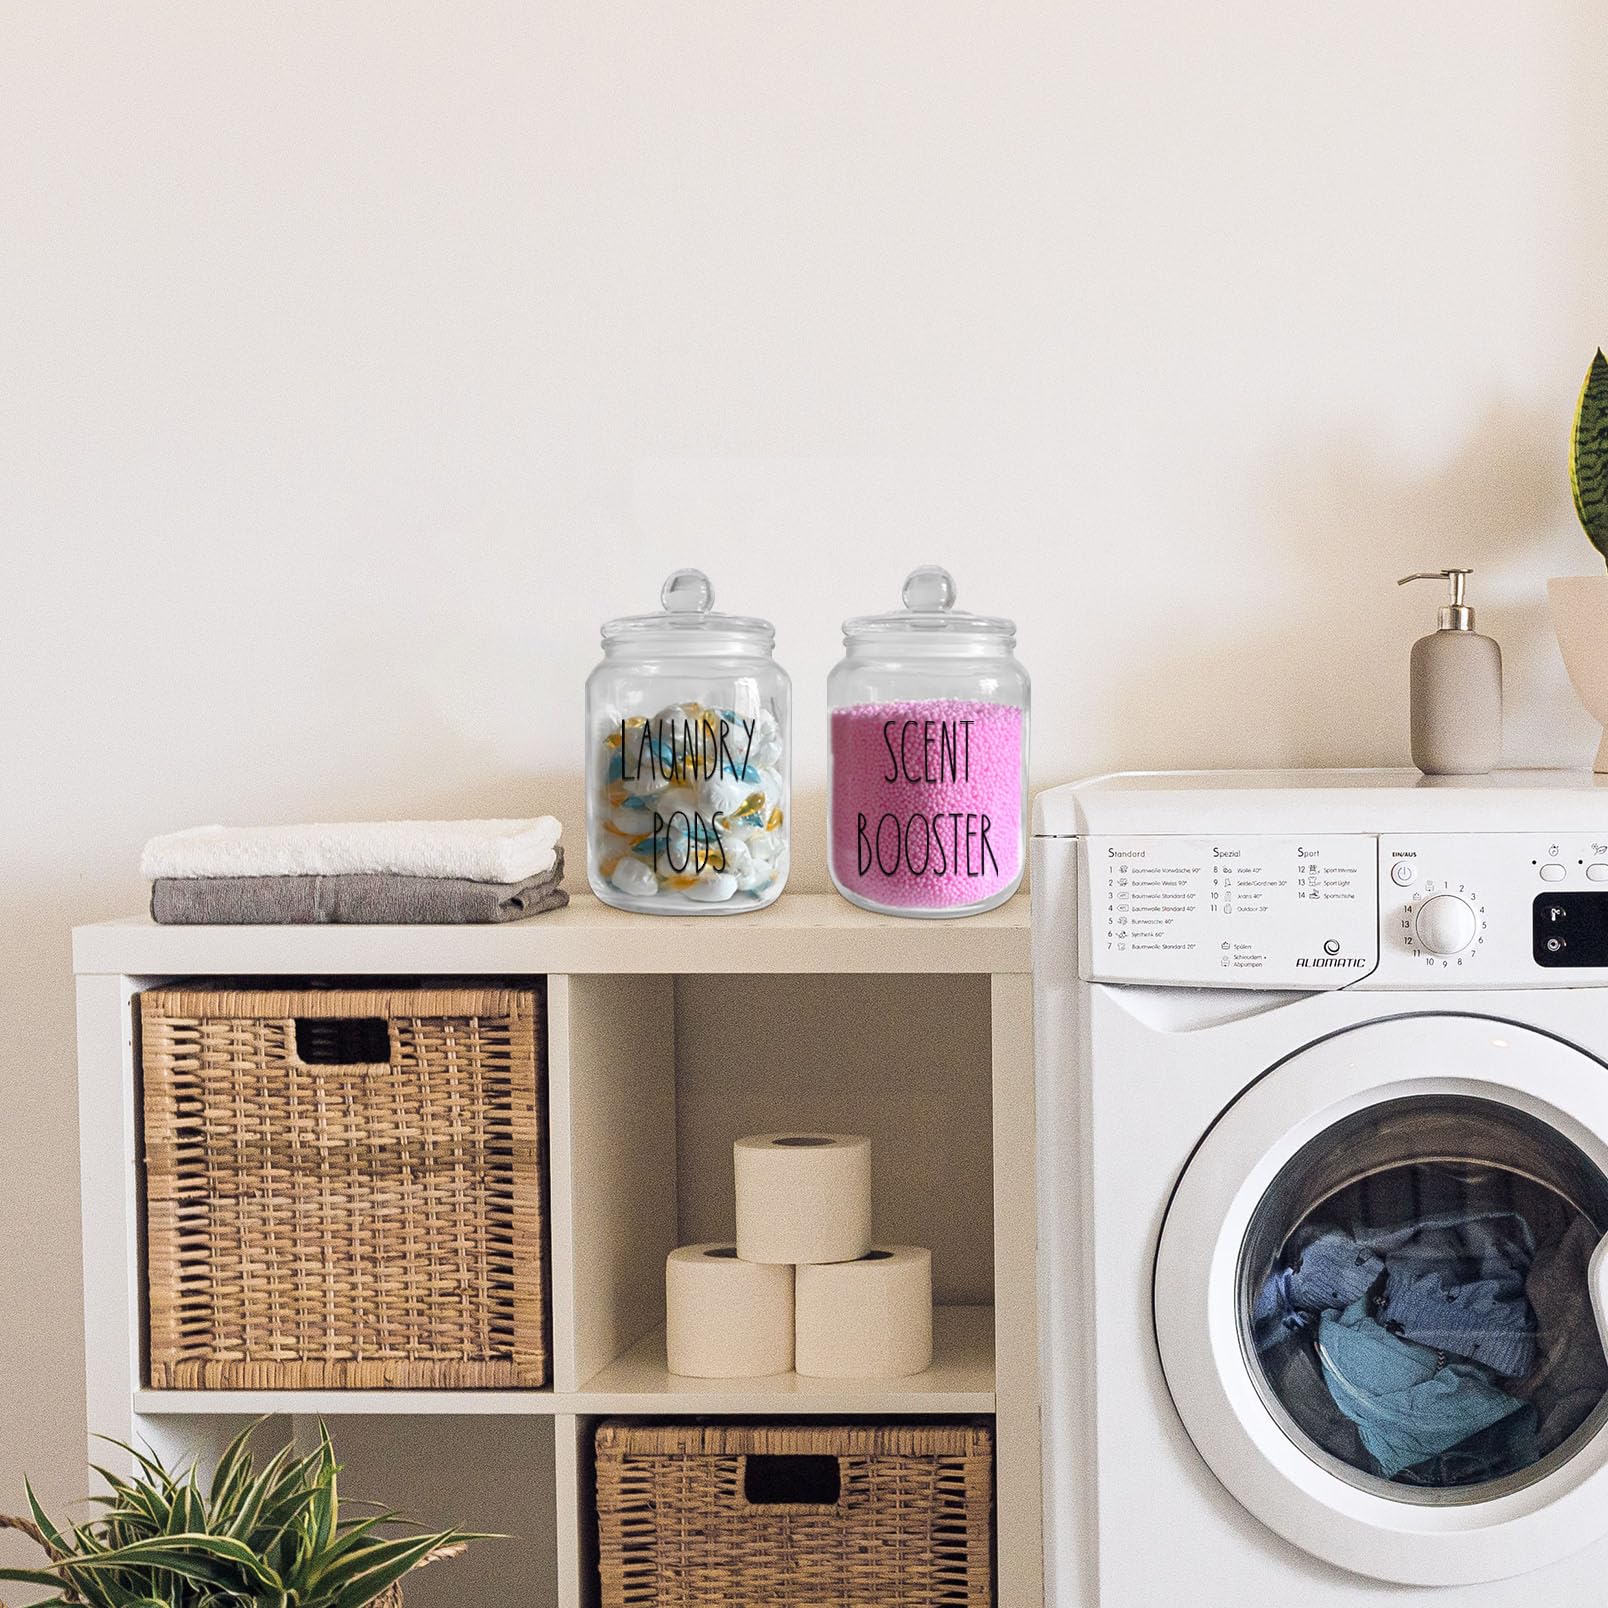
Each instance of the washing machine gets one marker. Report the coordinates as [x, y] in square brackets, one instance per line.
[1323, 1083]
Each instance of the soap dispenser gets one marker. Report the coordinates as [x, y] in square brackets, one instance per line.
[1456, 689]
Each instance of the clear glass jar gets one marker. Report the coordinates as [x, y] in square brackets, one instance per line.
[928, 785]
[688, 743]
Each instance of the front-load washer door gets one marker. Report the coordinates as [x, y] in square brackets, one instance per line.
[1380, 1303]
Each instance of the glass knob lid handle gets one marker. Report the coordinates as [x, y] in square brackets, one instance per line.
[929, 589]
[687, 591]
[1445, 925]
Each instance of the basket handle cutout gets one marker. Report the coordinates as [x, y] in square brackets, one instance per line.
[343, 1040]
[798, 1480]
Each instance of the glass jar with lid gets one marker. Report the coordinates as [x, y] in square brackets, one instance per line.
[929, 712]
[688, 743]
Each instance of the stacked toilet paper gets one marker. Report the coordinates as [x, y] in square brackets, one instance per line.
[804, 1287]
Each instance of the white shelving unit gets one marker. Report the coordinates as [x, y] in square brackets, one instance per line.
[666, 1038]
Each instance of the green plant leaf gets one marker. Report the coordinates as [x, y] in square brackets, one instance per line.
[1588, 455]
[48, 1530]
[361, 1577]
[31, 1577]
[148, 1466]
[352, 1534]
[268, 1538]
[247, 1516]
[233, 1472]
[188, 1553]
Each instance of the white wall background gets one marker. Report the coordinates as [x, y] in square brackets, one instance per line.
[357, 359]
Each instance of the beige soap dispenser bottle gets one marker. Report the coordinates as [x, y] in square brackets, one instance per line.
[1456, 689]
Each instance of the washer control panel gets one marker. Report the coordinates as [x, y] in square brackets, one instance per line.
[1231, 912]
[1492, 910]
[1446, 910]
[1571, 928]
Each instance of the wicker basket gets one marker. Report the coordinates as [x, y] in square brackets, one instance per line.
[344, 1188]
[709, 1515]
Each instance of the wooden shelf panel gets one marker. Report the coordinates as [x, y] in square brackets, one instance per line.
[961, 1380]
[344, 1403]
[801, 932]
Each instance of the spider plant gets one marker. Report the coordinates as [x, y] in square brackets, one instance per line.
[268, 1538]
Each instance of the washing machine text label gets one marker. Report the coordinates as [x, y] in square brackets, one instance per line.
[1250, 912]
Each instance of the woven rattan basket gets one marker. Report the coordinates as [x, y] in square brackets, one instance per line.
[344, 1188]
[857, 1515]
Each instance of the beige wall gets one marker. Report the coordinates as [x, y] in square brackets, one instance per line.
[356, 360]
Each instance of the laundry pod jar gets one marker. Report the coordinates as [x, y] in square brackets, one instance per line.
[688, 742]
[929, 712]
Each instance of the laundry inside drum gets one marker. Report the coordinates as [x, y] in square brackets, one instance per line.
[1414, 1302]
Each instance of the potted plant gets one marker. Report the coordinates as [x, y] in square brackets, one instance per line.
[268, 1538]
[1580, 602]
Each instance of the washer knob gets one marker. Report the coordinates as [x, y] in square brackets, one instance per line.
[1445, 925]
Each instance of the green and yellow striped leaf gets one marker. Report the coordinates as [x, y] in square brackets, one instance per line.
[1588, 455]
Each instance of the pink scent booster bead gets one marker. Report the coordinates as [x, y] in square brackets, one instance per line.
[926, 801]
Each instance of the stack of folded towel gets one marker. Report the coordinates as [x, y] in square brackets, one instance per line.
[402, 872]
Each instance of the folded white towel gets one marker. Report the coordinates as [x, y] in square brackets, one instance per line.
[478, 851]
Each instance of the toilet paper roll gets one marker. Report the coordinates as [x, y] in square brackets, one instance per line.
[867, 1319]
[725, 1318]
[803, 1197]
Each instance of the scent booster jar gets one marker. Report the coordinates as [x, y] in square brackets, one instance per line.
[929, 757]
[688, 741]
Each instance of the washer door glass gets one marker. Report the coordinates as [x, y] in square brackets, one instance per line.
[1414, 1304]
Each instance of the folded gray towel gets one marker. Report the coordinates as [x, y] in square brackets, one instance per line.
[361, 899]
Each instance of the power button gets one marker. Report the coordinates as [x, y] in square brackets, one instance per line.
[1403, 872]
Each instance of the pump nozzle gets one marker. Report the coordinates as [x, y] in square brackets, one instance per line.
[1456, 615]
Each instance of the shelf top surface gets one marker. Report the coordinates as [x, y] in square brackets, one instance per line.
[801, 932]
[961, 1379]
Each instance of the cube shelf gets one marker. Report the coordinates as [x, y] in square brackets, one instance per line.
[667, 1037]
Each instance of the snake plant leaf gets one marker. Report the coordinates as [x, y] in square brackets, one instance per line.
[1588, 455]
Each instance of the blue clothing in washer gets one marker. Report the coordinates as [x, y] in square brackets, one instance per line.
[1459, 1287]
[1407, 1404]
[1454, 1282]
[1336, 1269]
[1506, 1447]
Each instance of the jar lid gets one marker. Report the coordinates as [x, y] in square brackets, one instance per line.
[929, 610]
[688, 602]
